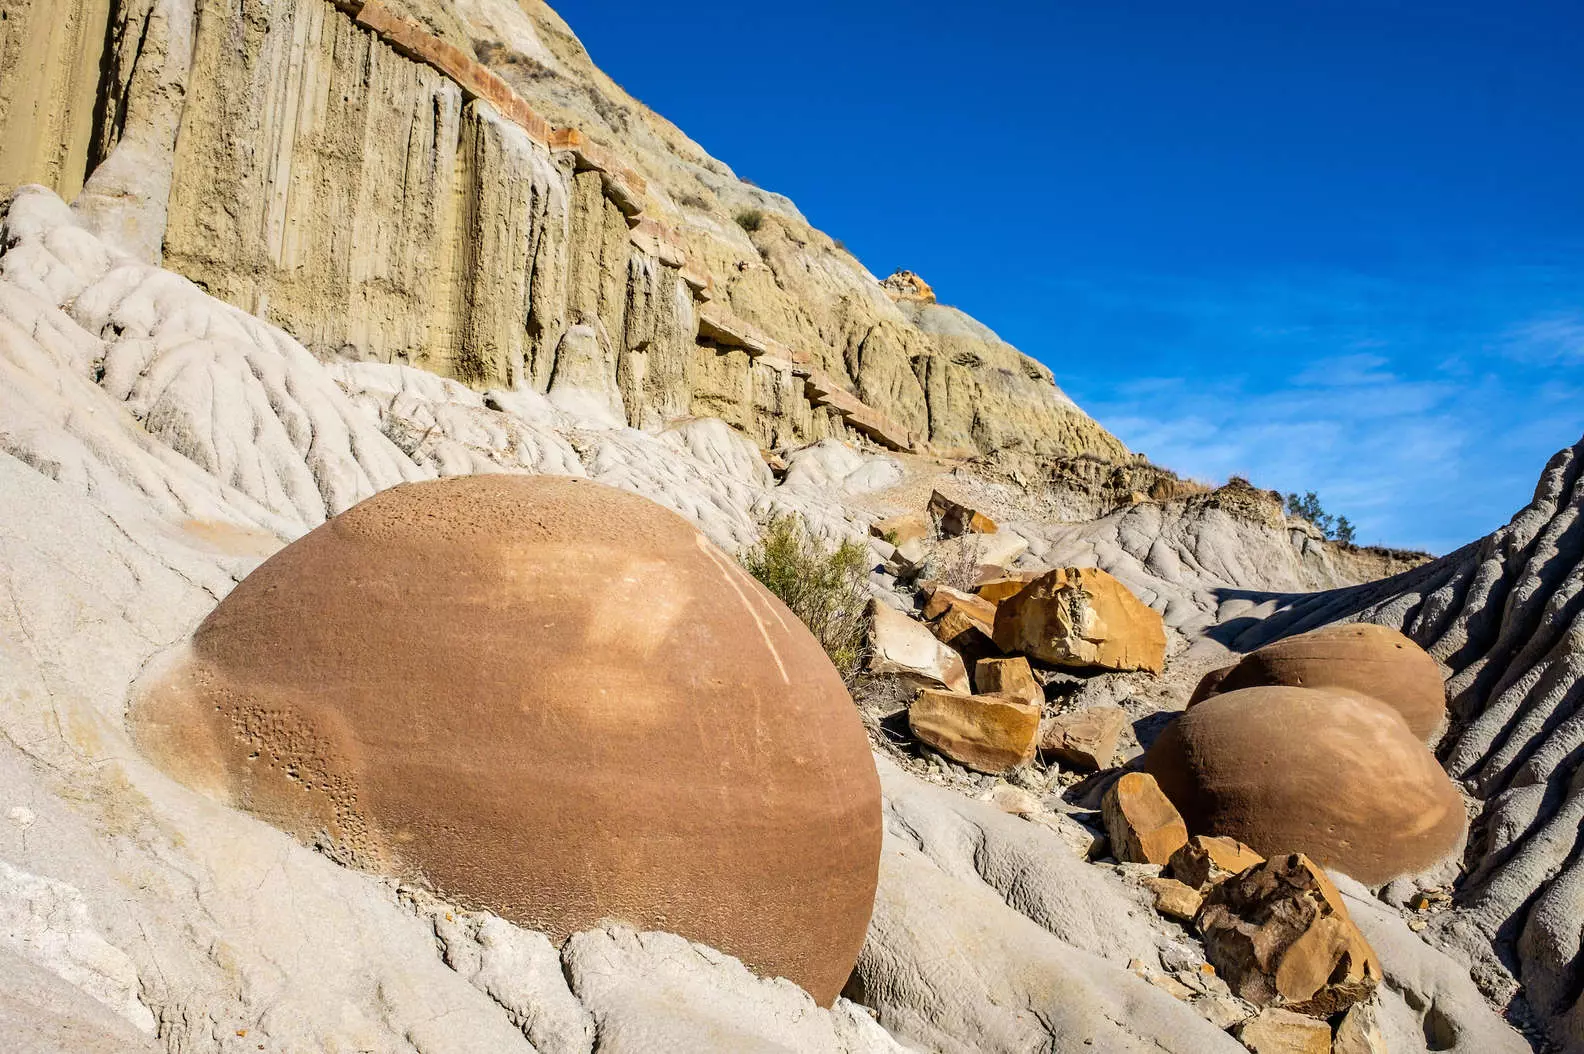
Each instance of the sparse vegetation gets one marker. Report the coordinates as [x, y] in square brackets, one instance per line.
[825, 586]
[1308, 507]
[692, 200]
[750, 220]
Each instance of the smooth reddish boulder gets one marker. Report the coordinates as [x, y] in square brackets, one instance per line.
[1358, 658]
[545, 698]
[1338, 777]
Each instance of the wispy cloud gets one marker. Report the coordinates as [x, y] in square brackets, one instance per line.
[1422, 414]
[1557, 338]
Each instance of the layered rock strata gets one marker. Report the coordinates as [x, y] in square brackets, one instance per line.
[381, 180]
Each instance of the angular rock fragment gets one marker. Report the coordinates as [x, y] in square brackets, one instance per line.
[1280, 935]
[1277, 1031]
[1208, 859]
[955, 518]
[985, 733]
[907, 649]
[966, 635]
[1082, 617]
[996, 590]
[1010, 677]
[943, 598]
[1174, 899]
[1084, 739]
[1360, 1032]
[1144, 826]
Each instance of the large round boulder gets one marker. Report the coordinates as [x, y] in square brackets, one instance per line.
[1296, 770]
[1356, 658]
[548, 699]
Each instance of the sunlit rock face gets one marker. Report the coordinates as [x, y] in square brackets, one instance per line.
[546, 698]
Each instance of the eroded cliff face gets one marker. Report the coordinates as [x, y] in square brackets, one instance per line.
[455, 186]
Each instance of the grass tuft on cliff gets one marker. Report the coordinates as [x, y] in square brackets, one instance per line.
[825, 586]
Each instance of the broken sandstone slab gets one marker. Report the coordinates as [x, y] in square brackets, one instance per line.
[942, 598]
[1210, 859]
[986, 733]
[1084, 739]
[908, 650]
[955, 518]
[1280, 934]
[1012, 677]
[966, 635]
[1082, 617]
[1143, 825]
[1278, 1031]
[1174, 899]
[998, 589]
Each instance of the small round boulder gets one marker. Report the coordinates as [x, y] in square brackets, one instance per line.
[548, 699]
[1296, 770]
[1356, 658]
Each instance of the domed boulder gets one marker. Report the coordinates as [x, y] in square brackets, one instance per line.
[1359, 658]
[548, 699]
[1337, 777]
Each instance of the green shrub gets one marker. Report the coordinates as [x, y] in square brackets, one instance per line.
[825, 587]
[750, 220]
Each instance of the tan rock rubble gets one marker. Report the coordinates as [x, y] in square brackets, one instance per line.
[1084, 739]
[1141, 821]
[987, 733]
[908, 649]
[955, 518]
[1280, 934]
[1209, 859]
[1011, 677]
[1278, 1031]
[1082, 617]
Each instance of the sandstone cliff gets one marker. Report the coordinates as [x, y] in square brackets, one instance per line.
[457, 187]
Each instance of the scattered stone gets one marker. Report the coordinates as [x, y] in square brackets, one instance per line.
[1085, 739]
[956, 519]
[1165, 982]
[1144, 826]
[1338, 777]
[1175, 900]
[911, 556]
[997, 553]
[1012, 677]
[1085, 618]
[985, 733]
[908, 527]
[999, 589]
[1280, 934]
[1360, 1031]
[1359, 658]
[1277, 1031]
[965, 635]
[1223, 1011]
[943, 598]
[908, 649]
[905, 285]
[1209, 859]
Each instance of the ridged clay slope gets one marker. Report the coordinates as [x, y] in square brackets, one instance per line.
[1505, 616]
[356, 174]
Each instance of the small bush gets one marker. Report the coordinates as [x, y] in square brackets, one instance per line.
[826, 587]
[750, 220]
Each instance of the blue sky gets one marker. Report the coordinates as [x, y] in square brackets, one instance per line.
[1328, 244]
